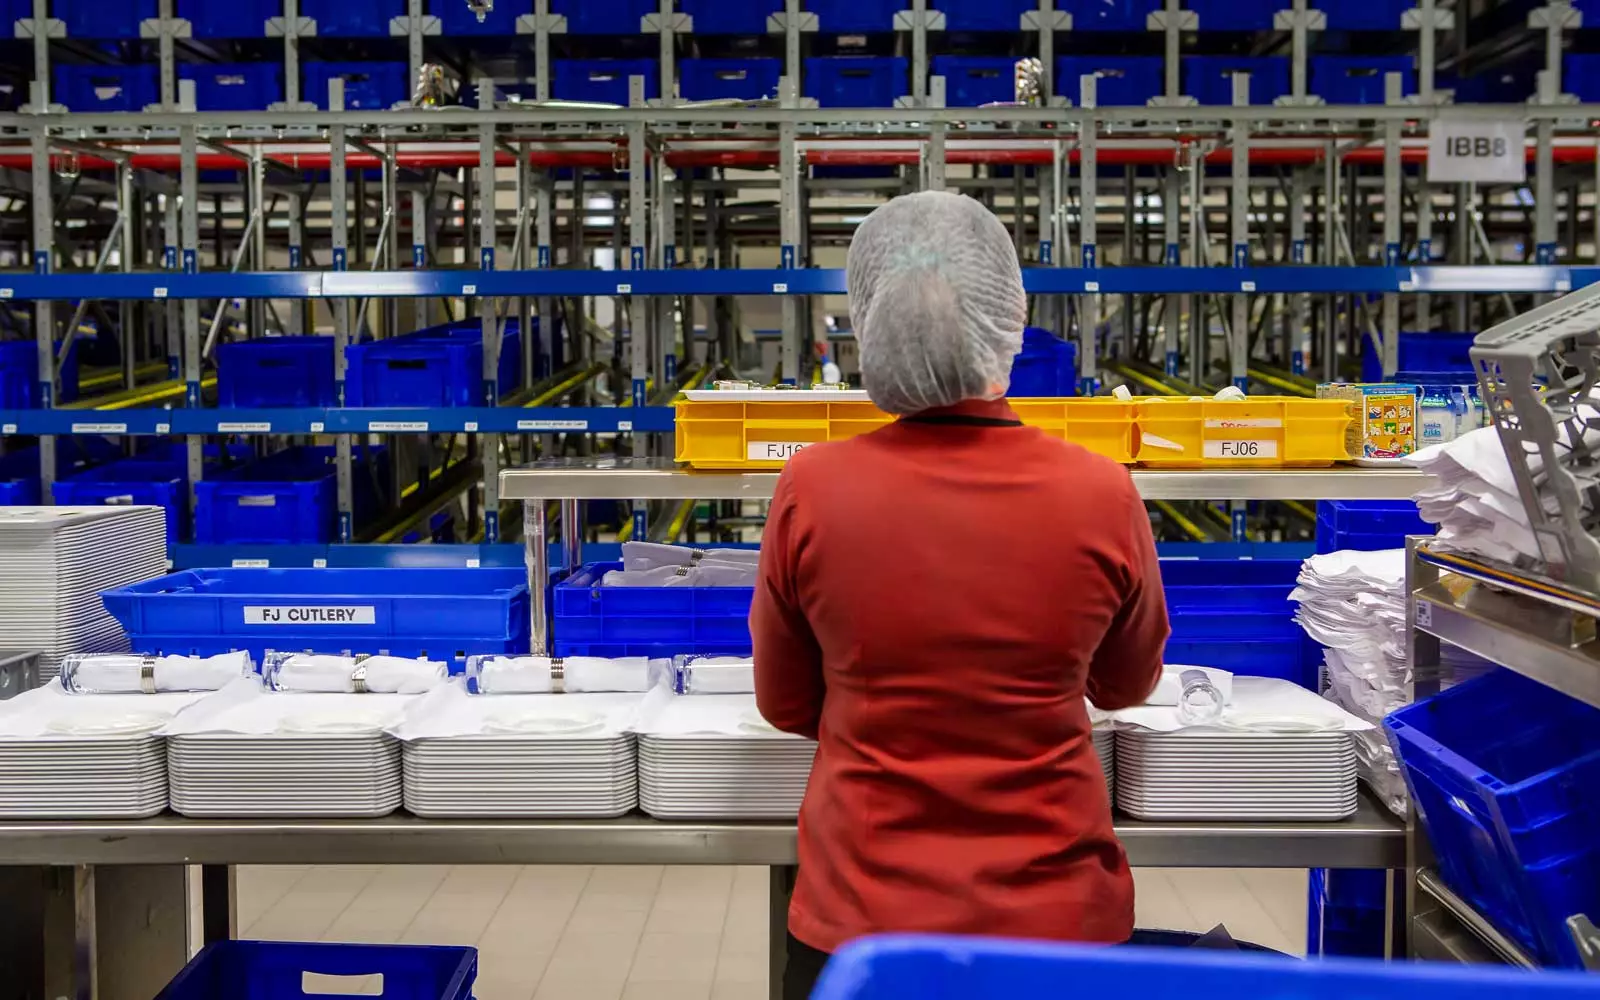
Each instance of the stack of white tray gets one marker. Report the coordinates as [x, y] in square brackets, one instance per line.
[287, 754]
[65, 756]
[713, 757]
[1105, 747]
[57, 560]
[539, 756]
[1221, 775]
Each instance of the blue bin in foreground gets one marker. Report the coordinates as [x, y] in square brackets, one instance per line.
[946, 968]
[276, 970]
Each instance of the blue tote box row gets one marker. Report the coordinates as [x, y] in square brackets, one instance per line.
[19, 375]
[369, 86]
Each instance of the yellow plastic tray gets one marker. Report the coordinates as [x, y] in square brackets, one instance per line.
[764, 435]
[1262, 432]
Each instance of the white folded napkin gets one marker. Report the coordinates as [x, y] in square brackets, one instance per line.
[717, 675]
[580, 674]
[320, 673]
[123, 673]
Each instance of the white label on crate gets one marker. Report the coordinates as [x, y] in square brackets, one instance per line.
[259, 500]
[469, 289]
[252, 564]
[9, 429]
[244, 428]
[158, 292]
[120, 500]
[316, 427]
[1091, 286]
[312, 614]
[398, 426]
[471, 426]
[624, 289]
[775, 451]
[319, 564]
[624, 425]
[780, 288]
[1462, 151]
[1241, 449]
[1246, 422]
[552, 425]
[99, 428]
[163, 428]
[1247, 286]
[1424, 614]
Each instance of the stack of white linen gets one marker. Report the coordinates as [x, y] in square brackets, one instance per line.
[649, 564]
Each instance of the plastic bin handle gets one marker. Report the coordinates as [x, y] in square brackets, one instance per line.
[398, 364]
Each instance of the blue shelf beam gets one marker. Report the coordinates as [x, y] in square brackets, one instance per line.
[440, 420]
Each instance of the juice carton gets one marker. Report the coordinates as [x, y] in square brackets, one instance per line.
[1386, 417]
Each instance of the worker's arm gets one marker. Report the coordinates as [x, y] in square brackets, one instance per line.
[1127, 665]
[788, 660]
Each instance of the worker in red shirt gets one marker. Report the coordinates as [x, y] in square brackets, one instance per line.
[936, 600]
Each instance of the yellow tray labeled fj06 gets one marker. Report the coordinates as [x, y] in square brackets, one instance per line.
[1261, 432]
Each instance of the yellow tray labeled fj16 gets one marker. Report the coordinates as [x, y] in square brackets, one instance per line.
[764, 434]
[1261, 431]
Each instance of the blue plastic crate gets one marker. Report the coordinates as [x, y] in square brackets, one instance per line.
[1369, 15]
[658, 650]
[584, 611]
[1203, 625]
[19, 375]
[1236, 15]
[12, 11]
[1047, 366]
[719, 17]
[156, 481]
[950, 968]
[276, 970]
[456, 19]
[1359, 79]
[836, 17]
[276, 371]
[439, 366]
[1283, 658]
[970, 81]
[717, 79]
[1215, 584]
[985, 15]
[1345, 912]
[353, 18]
[606, 17]
[234, 86]
[1209, 79]
[1580, 75]
[603, 80]
[106, 88]
[1123, 80]
[232, 19]
[407, 612]
[1425, 352]
[95, 19]
[368, 86]
[290, 499]
[1110, 15]
[857, 81]
[1502, 771]
[1366, 525]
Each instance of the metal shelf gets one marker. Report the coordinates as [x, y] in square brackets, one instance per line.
[1460, 933]
[661, 479]
[1372, 839]
[463, 419]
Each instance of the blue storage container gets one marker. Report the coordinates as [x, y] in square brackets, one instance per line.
[1209, 79]
[88, 89]
[276, 371]
[1502, 771]
[19, 375]
[685, 617]
[19, 471]
[353, 18]
[835, 17]
[1110, 15]
[1124, 81]
[291, 498]
[985, 15]
[456, 19]
[660, 650]
[96, 19]
[12, 11]
[277, 970]
[1367, 525]
[1369, 15]
[1359, 79]
[718, 79]
[607, 17]
[857, 81]
[970, 81]
[1345, 912]
[1580, 76]
[1245, 624]
[1283, 658]
[1236, 15]
[444, 613]
[234, 86]
[604, 81]
[368, 86]
[1214, 584]
[719, 17]
[1425, 352]
[230, 19]
[439, 366]
[1047, 366]
[900, 967]
[156, 481]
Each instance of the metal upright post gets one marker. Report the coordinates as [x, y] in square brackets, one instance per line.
[919, 20]
[1555, 18]
[291, 27]
[1299, 312]
[1299, 22]
[933, 151]
[1198, 330]
[489, 444]
[41, 27]
[1089, 234]
[1392, 211]
[189, 214]
[421, 308]
[44, 311]
[1239, 333]
[1330, 234]
[543, 259]
[1544, 186]
[338, 194]
[414, 25]
[541, 24]
[523, 261]
[1424, 303]
[165, 27]
[132, 313]
[170, 261]
[664, 255]
[668, 24]
[1172, 20]
[639, 308]
[256, 310]
[1427, 19]
[1045, 22]
[297, 316]
[1172, 256]
[1048, 306]
[789, 235]
[792, 22]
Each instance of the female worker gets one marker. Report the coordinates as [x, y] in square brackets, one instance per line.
[935, 601]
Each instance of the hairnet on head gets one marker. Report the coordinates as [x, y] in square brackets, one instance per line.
[937, 303]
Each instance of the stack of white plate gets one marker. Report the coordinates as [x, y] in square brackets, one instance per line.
[533, 767]
[739, 768]
[57, 560]
[1105, 747]
[1212, 774]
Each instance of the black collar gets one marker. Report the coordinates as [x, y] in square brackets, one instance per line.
[960, 420]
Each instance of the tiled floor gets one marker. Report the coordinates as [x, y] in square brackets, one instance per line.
[578, 933]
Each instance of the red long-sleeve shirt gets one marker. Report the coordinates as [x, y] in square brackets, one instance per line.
[935, 601]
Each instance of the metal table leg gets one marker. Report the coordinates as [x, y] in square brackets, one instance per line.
[780, 886]
[536, 553]
[219, 903]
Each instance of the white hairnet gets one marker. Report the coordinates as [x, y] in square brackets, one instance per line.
[937, 302]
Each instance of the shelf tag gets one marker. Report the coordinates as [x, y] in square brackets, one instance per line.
[319, 564]
[624, 289]
[471, 426]
[8, 429]
[244, 428]
[780, 288]
[316, 427]
[163, 428]
[158, 292]
[1247, 286]
[474, 563]
[1091, 286]
[552, 425]
[624, 426]
[99, 428]
[1424, 614]
[6, 293]
[398, 426]
[469, 289]
[252, 564]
